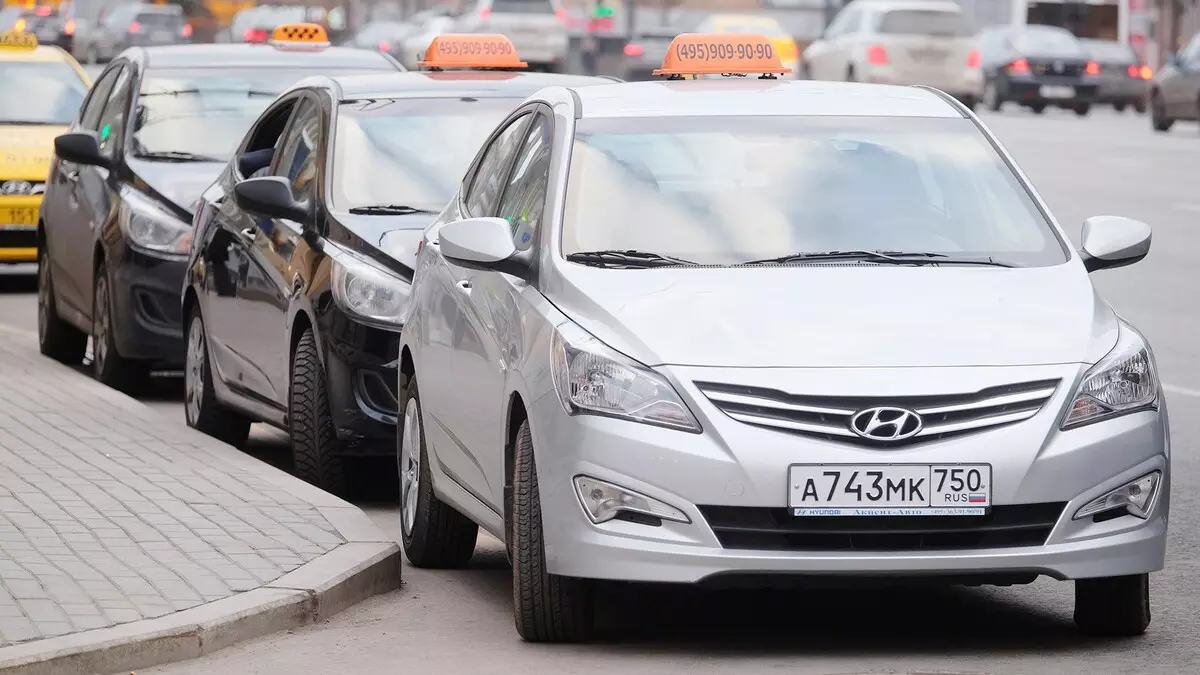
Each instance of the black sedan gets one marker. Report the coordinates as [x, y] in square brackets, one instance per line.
[1124, 79]
[1037, 67]
[115, 225]
[298, 285]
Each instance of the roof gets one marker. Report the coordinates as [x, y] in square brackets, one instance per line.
[263, 56]
[43, 54]
[516, 84]
[760, 97]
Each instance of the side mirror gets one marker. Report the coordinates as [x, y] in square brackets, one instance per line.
[81, 147]
[270, 196]
[482, 244]
[1113, 241]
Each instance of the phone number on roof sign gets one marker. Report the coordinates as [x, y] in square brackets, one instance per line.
[714, 52]
[475, 48]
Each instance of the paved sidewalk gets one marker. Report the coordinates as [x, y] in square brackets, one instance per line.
[112, 515]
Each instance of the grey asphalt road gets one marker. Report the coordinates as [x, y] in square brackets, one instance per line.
[460, 621]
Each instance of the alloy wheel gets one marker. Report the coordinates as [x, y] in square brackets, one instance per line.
[43, 308]
[101, 327]
[410, 466]
[197, 361]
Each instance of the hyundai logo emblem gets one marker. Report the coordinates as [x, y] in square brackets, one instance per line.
[886, 424]
[21, 187]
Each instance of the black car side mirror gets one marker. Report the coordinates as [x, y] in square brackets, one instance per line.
[271, 196]
[81, 147]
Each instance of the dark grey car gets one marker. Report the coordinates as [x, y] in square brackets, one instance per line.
[1175, 92]
[1123, 78]
[137, 25]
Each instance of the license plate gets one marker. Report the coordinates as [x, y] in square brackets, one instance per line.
[162, 36]
[18, 216]
[1051, 91]
[889, 489]
[929, 55]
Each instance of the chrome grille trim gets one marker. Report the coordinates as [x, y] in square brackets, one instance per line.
[829, 416]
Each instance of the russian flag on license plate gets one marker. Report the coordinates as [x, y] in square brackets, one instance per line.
[976, 498]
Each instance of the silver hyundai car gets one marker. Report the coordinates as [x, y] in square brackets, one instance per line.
[695, 331]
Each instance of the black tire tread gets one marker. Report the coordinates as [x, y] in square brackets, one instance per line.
[442, 538]
[61, 341]
[310, 424]
[214, 419]
[1113, 606]
[547, 607]
[118, 372]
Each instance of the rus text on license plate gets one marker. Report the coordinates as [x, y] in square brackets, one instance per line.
[1052, 91]
[889, 489]
[18, 215]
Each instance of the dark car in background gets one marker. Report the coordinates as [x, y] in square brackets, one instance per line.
[136, 25]
[1037, 67]
[116, 223]
[49, 25]
[1124, 79]
[646, 49]
[1175, 91]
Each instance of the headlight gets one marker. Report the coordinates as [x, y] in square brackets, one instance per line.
[1123, 381]
[592, 378]
[368, 293]
[149, 228]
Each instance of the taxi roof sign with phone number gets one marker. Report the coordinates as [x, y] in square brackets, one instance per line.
[475, 50]
[18, 40]
[721, 54]
[299, 36]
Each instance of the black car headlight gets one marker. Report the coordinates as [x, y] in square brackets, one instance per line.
[151, 229]
[368, 293]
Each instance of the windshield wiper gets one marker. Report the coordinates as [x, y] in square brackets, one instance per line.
[627, 259]
[884, 258]
[175, 156]
[388, 210]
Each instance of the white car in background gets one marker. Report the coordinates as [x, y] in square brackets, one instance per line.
[926, 42]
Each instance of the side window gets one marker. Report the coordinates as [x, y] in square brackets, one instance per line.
[489, 178]
[112, 120]
[1191, 53]
[297, 152]
[94, 105]
[524, 198]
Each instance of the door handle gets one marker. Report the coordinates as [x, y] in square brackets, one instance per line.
[71, 175]
[249, 232]
[464, 286]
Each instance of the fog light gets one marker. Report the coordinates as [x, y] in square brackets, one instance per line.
[1136, 497]
[604, 501]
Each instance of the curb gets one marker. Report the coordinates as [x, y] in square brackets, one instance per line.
[367, 564]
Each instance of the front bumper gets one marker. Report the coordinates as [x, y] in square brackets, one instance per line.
[1038, 471]
[148, 320]
[361, 381]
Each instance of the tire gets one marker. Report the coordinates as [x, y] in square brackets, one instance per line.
[1158, 114]
[1139, 107]
[850, 76]
[108, 366]
[1082, 109]
[201, 408]
[546, 607]
[1119, 107]
[970, 102]
[433, 534]
[1113, 606]
[991, 97]
[314, 438]
[1037, 108]
[56, 338]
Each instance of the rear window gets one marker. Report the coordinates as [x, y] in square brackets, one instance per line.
[1110, 52]
[1047, 41]
[523, 6]
[160, 20]
[925, 22]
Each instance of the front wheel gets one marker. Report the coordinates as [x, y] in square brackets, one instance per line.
[108, 366]
[1119, 107]
[991, 97]
[56, 338]
[315, 443]
[1082, 109]
[1158, 114]
[1113, 606]
[1139, 107]
[1037, 108]
[203, 411]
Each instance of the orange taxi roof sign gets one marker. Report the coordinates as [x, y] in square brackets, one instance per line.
[721, 54]
[300, 36]
[474, 50]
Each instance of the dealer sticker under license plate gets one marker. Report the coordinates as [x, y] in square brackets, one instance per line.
[889, 489]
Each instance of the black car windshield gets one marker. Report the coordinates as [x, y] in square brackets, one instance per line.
[725, 190]
[51, 92]
[1048, 41]
[204, 111]
[409, 151]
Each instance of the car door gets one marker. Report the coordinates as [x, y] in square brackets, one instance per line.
[265, 292]
[63, 210]
[1181, 91]
[452, 338]
[492, 309]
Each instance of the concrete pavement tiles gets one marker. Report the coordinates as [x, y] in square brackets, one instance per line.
[111, 513]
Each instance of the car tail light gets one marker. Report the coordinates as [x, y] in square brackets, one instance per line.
[255, 35]
[186, 31]
[135, 27]
[973, 59]
[1018, 67]
[877, 55]
[485, 13]
[1092, 68]
[385, 46]
[1147, 74]
[634, 50]
[69, 27]
[44, 10]
[562, 16]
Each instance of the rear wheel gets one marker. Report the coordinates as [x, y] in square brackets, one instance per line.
[56, 338]
[1113, 606]
[1158, 114]
[991, 97]
[1037, 108]
[108, 366]
[1139, 106]
[314, 438]
[201, 408]
[1082, 109]
[1119, 106]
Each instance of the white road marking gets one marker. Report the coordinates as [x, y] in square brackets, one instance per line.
[1181, 390]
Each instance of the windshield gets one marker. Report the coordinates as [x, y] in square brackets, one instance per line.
[724, 190]
[51, 92]
[412, 152]
[1051, 41]
[925, 22]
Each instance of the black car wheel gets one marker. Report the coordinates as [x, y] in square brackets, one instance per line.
[314, 438]
[1113, 606]
[1139, 107]
[1119, 106]
[56, 338]
[1158, 114]
[1037, 108]
[108, 366]
[201, 408]
[991, 96]
[1082, 109]
[546, 607]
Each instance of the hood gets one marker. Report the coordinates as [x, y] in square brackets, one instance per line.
[25, 150]
[181, 183]
[394, 236]
[845, 316]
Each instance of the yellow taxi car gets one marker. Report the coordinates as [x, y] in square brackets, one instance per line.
[44, 89]
[784, 44]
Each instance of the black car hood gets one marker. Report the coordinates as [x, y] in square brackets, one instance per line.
[179, 183]
[394, 237]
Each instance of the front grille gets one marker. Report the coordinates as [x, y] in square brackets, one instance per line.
[828, 417]
[18, 238]
[1068, 68]
[775, 529]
